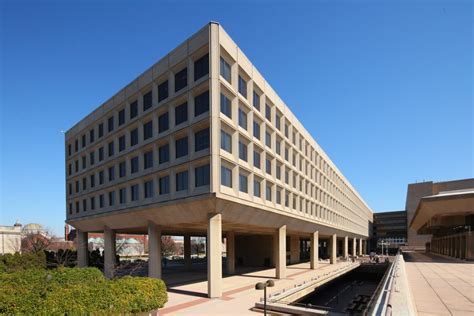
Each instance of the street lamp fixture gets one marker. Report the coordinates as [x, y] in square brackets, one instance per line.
[263, 286]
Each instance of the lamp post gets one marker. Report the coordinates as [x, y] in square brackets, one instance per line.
[263, 286]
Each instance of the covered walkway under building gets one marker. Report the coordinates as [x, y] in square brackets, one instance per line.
[449, 217]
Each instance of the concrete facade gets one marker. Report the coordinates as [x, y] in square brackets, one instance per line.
[10, 239]
[415, 192]
[201, 144]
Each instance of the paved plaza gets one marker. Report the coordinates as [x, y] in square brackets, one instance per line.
[440, 285]
[239, 294]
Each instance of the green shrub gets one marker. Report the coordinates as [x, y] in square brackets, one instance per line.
[24, 261]
[77, 291]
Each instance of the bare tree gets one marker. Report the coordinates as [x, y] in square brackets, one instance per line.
[35, 242]
[199, 245]
[168, 246]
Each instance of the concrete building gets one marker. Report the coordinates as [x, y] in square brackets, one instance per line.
[201, 145]
[391, 228]
[415, 193]
[448, 218]
[10, 239]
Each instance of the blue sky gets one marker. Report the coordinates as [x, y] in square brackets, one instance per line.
[384, 87]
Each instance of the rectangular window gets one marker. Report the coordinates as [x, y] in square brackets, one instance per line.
[277, 121]
[83, 141]
[201, 140]
[76, 145]
[110, 124]
[69, 150]
[268, 112]
[202, 176]
[84, 184]
[286, 130]
[226, 106]
[201, 103]
[182, 181]
[111, 148]
[181, 114]
[148, 160]
[84, 205]
[242, 119]
[181, 147]
[256, 159]
[226, 142]
[163, 122]
[77, 187]
[123, 196]
[111, 173]
[121, 142]
[134, 165]
[242, 87]
[181, 80]
[121, 117]
[226, 177]
[134, 137]
[164, 153]
[243, 151]
[133, 109]
[163, 91]
[122, 169]
[92, 180]
[101, 130]
[278, 147]
[101, 201]
[76, 164]
[201, 67]
[69, 169]
[278, 197]
[111, 198]
[256, 188]
[268, 193]
[164, 183]
[278, 172]
[268, 139]
[91, 136]
[256, 130]
[268, 166]
[256, 100]
[243, 183]
[134, 191]
[92, 201]
[148, 187]
[147, 101]
[148, 130]
[83, 158]
[101, 177]
[225, 70]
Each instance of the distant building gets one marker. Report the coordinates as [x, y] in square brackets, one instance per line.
[389, 228]
[34, 228]
[416, 192]
[446, 219]
[10, 238]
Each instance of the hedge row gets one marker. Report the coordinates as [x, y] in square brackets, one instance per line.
[77, 291]
[19, 262]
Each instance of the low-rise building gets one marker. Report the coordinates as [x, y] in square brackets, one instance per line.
[389, 229]
[10, 238]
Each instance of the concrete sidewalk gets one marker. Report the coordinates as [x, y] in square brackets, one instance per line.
[440, 285]
[239, 294]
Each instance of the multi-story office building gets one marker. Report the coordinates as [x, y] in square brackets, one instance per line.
[416, 192]
[201, 144]
[389, 228]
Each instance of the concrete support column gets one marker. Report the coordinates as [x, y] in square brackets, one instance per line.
[345, 246]
[333, 249]
[364, 247]
[360, 247]
[82, 248]
[109, 252]
[354, 247]
[314, 256]
[230, 250]
[154, 250]
[214, 255]
[187, 252]
[280, 252]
